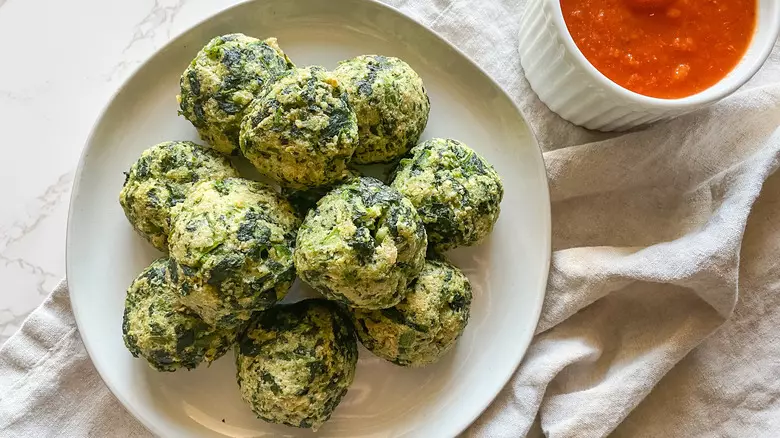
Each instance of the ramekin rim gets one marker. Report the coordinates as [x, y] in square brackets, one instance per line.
[705, 97]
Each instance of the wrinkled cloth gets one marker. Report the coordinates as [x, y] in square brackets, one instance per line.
[662, 305]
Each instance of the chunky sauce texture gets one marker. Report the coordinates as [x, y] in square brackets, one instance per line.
[662, 48]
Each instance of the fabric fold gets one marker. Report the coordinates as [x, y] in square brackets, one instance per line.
[644, 269]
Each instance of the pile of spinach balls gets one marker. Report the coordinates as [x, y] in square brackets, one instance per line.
[234, 246]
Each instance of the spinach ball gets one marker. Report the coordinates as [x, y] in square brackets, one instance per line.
[361, 245]
[456, 191]
[425, 324]
[169, 336]
[225, 76]
[295, 363]
[160, 179]
[232, 243]
[302, 131]
[391, 104]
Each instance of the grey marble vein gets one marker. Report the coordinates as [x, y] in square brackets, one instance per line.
[10, 318]
[46, 202]
[11, 95]
[41, 275]
[150, 24]
[160, 15]
[14, 322]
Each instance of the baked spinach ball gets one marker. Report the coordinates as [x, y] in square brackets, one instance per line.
[160, 179]
[302, 131]
[456, 191]
[156, 327]
[225, 76]
[361, 245]
[391, 105]
[425, 324]
[295, 362]
[232, 243]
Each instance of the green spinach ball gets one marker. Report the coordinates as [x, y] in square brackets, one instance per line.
[225, 76]
[456, 191]
[425, 324]
[156, 327]
[302, 131]
[160, 179]
[232, 242]
[361, 245]
[295, 363]
[391, 104]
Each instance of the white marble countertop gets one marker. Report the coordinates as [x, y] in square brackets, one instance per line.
[62, 63]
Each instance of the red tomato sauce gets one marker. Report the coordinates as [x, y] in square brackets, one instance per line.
[662, 48]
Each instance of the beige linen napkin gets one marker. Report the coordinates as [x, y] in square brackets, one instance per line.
[662, 306]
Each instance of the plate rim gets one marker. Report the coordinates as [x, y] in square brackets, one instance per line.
[88, 146]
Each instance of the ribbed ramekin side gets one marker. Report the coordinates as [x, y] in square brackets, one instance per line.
[561, 83]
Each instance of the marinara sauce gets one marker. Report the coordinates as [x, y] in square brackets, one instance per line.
[662, 48]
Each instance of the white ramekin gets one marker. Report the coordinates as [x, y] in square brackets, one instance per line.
[570, 86]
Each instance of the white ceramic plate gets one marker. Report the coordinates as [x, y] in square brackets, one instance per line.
[508, 272]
